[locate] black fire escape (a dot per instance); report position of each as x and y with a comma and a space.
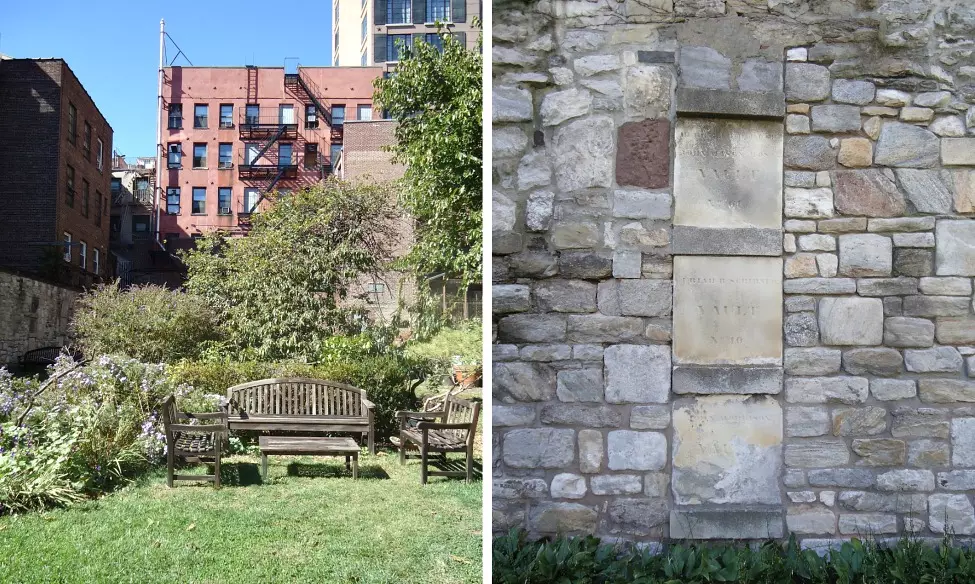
264, 166
306, 90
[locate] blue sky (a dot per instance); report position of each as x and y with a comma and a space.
113, 46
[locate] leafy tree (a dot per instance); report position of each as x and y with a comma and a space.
290, 284
436, 98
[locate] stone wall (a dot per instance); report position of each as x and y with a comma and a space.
33, 314
734, 248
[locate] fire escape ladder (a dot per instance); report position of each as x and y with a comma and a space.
294, 81
274, 138
251, 84
268, 189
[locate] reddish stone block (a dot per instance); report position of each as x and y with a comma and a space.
643, 154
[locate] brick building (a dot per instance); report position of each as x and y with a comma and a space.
233, 134
55, 177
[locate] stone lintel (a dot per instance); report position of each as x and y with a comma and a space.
727, 524
737, 241
733, 379
655, 57
722, 102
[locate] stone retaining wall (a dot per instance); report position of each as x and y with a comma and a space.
734, 248
33, 314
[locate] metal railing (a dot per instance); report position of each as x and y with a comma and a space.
265, 123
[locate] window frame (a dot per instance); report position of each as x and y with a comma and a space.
203, 166
175, 122
169, 206
100, 155
96, 261
311, 116
291, 149
230, 117
178, 153
111, 185
359, 110
86, 140
193, 201
72, 124
252, 119
257, 197
221, 164
405, 12
201, 122
429, 10
311, 148
85, 197
338, 120
69, 185
83, 254
67, 255
392, 51
229, 192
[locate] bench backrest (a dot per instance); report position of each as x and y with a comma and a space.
460, 411
297, 396
168, 412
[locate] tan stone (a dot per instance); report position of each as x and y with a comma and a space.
802, 265
877, 110
798, 108
855, 153
964, 181
727, 310
917, 114
872, 127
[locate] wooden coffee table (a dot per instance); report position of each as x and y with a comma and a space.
297, 445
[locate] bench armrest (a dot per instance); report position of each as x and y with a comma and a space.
369, 405
419, 415
438, 426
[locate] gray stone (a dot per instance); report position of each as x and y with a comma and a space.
501, 352
794, 478
893, 389
589, 416
914, 239
650, 417
812, 361
631, 450
637, 516
538, 210
562, 518
635, 297
800, 178
883, 502
865, 254
859, 421
690, 240
741, 104
616, 484
957, 480
958, 151
873, 361
532, 264
559, 106
595, 64
913, 262
948, 126
893, 97
519, 488
524, 381
811, 521
841, 477
584, 265
947, 286
507, 298
904, 145
932, 99
806, 82
809, 203
901, 224
927, 190
655, 57
598, 328
809, 152
851, 321
935, 306
956, 247
590, 451
806, 421
823, 390
565, 296
580, 385
627, 264
705, 68
816, 453
906, 480
796, 124
727, 380
726, 524
855, 92
880, 451
502, 415
545, 353
575, 235
886, 286
504, 212
760, 75
801, 329
648, 91
956, 330
568, 486
835, 118
539, 448
928, 454
919, 423
817, 242
508, 141
584, 153
865, 525
532, 328
587, 352
637, 373
642, 204
933, 360
952, 514
963, 442
820, 286
800, 303
511, 104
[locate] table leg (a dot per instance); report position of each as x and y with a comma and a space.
355, 466
264, 465
347, 457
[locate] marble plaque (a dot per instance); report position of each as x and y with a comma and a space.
727, 310
727, 450
728, 173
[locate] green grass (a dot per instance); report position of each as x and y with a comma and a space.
310, 522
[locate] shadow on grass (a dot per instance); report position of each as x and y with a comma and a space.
320, 470
239, 474
450, 464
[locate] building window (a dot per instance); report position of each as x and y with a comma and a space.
375, 291
223, 200
226, 115
99, 198
96, 262
67, 247
85, 197
398, 12
434, 40
200, 115
226, 155
251, 196
364, 58
172, 200
100, 155
311, 156
200, 155
69, 186
395, 44
140, 225
252, 114
175, 116
72, 123
365, 28
334, 153
285, 152
86, 141
199, 201
116, 186
174, 156
364, 112
338, 115
286, 114
438, 10
83, 255
311, 116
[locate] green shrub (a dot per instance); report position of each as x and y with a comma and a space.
585, 559
460, 345
148, 323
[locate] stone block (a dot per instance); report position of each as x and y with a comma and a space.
616, 484
806, 82
583, 153
598, 328
812, 361
851, 321
627, 264
886, 286
873, 361
893, 389
841, 477
835, 118
906, 480
524, 381
511, 104
590, 416
958, 151
820, 286
957, 480
906, 146
738, 104
959, 330
952, 514
565, 296
503, 415
568, 486
639, 516
927, 190
761, 75
632, 450
880, 451
963, 442
689, 240
867, 524
650, 417
726, 524
508, 298
643, 156
539, 210
914, 239
865, 254
883, 502
928, 454
946, 286
826, 390
648, 91
539, 448
637, 373
955, 252
806, 421
901, 224
933, 360
642, 204
704, 67
559, 106
580, 385
819, 452
935, 306
590, 451
809, 153
853, 92
855, 153
808, 203
801, 329
532, 328
584, 265
727, 380
867, 193
810, 521
912, 422
562, 518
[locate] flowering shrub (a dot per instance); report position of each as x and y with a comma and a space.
87, 432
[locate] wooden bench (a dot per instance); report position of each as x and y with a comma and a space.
450, 430
194, 441
297, 404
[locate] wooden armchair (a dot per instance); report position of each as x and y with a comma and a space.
192, 441
449, 430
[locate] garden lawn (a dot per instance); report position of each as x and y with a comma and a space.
310, 522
